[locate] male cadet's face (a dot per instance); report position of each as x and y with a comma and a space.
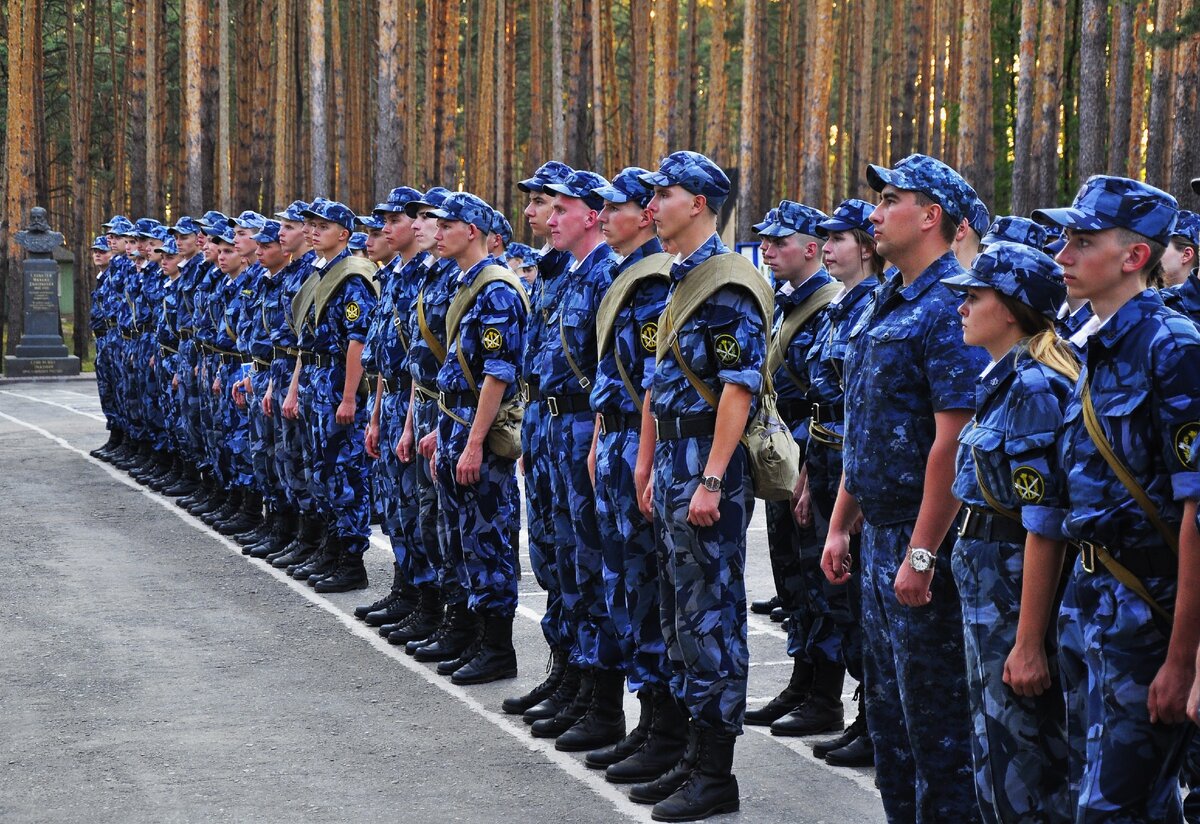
310, 234
570, 219
898, 219
229, 260
188, 245
674, 208
170, 264
453, 237
785, 255
425, 228
272, 255
537, 213
622, 224
842, 255
985, 319
116, 245
397, 230
292, 237
378, 249
146, 246
328, 237
1093, 262
244, 242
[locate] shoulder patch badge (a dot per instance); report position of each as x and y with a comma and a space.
1185, 440
648, 335
353, 311
1029, 484
727, 350
491, 339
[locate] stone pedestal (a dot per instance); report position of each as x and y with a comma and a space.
41, 351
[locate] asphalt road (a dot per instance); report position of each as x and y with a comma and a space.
150, 672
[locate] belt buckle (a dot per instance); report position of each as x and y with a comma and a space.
603, 423
1087, 556
657, 434
965, 524
815, 412
552, 404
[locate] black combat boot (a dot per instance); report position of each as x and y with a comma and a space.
603, 724
305, 542
853, 748
149, 467
166, 477
450, 667
459, 630
350, 573
261, 529
280, 536
631, 743
562, 697
711, 789
675, 776
421, 623
664, 745
393, 607
321, 557
765, 607
248, 514
792, 697
105, 450
231, 506
822, 711
204, 486
566, 717
555, 667
496, 658
211, 498
187, 479
325, 562
125, 454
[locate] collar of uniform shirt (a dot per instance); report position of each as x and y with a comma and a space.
575, 264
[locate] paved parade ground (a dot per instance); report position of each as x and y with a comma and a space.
151, 672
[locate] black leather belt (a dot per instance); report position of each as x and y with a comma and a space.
989, 525
620, 421
793, 411
167, 350
689, 426
532, 392
425, 392
456, 399
259, 365
1159, 562
828, 412
319, 359
230, 358
281, 352
185, 334
567, 404
126, 335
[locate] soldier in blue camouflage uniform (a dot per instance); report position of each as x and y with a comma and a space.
167, 361
850, 258
701, 492
376, 250
971, 229
1182, 279
558, 689
101, 320
1126, 664
631, 568
332, 405
1009, 556
522, 260
480, 373
119, 272
909, 392
566, 366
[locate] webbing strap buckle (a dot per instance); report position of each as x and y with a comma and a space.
1087, 556
552, 403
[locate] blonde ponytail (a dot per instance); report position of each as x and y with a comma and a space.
1046, 347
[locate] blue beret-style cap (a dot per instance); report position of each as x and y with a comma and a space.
1016, 229
849, 215
1019, 271
159, 232
1188, 227
120, 226
767, 220
467, 208
580, 185
551, 171
269, 233
223, 233
185, 226
371, 221
249, 220
145, 226
332, 211
397, 199
357, 242
1109, 202
115, 219
793, 218
100, 243
294, 211
501, 227
212, 222
931, 177
519, 250
627, 186
169, 246
432, 199
694, 172
978, 218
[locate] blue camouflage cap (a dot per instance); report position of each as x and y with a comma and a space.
849, 215
501, 227
519, 250
1109, 202
793, 218
222, 233
120, 226
1019, 271
332, 211
114, 220
371, 221
978, 218
1016, 229
185, 226
1188, 227
466, 208
357, 242
269, 233
580, 185
145, 226
551, 171
169, 246
212, 222
159, 232
397, 199
294, 211
931, 177
432, 199
767, 220
249, 220
694, 172
100, 244
627, 186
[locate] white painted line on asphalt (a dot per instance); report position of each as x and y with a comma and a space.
52, 403
515, 728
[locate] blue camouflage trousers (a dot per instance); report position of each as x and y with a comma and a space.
397, 484
702, 583
1122, 767
479, 517
262, 441
236, 462
338, 457
1019, 744
631, 561
916, 688
291, 468
189, 404
210, 417
438, 546
579, 559
106, 346
538, 459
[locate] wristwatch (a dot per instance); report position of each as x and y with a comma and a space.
712, 483
921, 560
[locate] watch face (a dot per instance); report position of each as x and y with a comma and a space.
920, 560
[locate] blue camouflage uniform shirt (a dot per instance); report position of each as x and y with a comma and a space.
826, 357
370, 362
906, 362
1185, 298
263, 314
227, 310
395, 306
544, 297
343, 319
434, 292
279, 309
572, 320
793, 398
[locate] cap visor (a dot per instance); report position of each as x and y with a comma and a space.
965, 281
559, 189
776, 230
442, 214
880, 176
611, 193
531, 184
656, 179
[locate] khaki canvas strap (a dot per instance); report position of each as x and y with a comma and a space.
435, 345
400, 329
584, 383
791, 326
625, 379
1011, 514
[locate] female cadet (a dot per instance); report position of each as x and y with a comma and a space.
851, 258
1013, 494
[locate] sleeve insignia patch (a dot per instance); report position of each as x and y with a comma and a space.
1029, 484
353, 311
1185, 440
492, 339
727, 350
649, 336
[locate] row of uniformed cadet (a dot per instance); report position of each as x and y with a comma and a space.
250, 363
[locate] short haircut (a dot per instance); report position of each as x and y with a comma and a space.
949, 227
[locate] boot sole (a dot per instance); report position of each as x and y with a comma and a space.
485, 678
803, 733
321, 586
716, 809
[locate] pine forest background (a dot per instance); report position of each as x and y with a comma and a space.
169, 107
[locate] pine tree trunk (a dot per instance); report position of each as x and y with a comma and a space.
285, 110
189, 48
641, 104
1024, 161
224, 182
717, 107
558, 123
1093, 83
666, 49
601, 152
318, 123
1184, 157
448, 174
20, 155
151, 171
974, 103
1137, 110
749, 131
1043, 186
1122, 106
136, 69
1160, 99
818, 84
81, 77
538, 142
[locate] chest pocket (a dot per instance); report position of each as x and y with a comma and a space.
982, 438
579, 310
